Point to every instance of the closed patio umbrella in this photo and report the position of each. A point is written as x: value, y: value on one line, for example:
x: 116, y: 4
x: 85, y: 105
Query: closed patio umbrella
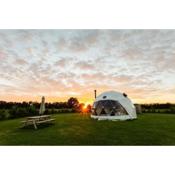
x: 42, y: 106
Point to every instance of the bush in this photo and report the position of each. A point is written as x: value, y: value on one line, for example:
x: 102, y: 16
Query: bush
x: 32, y: 110
x: 57, y: 111
x: 172, y: 109
x: 17, y: 112
x: 4, y: 114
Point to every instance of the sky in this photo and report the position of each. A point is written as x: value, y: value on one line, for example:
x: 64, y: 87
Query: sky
x: 60, y: 64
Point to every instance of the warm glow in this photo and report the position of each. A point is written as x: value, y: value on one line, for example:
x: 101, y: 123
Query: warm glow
x: 84, y: 107
x: 167, y: 98
x: 86, y: 104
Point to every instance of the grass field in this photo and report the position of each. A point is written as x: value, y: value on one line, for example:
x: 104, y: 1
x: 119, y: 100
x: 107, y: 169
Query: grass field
x: 75, y: 129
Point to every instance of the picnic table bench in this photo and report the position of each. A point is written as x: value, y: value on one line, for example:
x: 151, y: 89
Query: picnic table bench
x: 36, y: 120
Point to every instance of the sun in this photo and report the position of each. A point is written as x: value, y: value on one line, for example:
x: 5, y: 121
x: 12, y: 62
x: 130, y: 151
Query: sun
x: 85, y: 106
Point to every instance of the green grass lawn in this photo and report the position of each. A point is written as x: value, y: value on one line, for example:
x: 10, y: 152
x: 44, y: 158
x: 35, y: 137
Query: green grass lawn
x: 75, y: 129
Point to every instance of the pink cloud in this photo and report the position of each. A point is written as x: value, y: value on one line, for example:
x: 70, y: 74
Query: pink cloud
x: 3, y: 55
x: 20, y: 61
x: 85, y: 66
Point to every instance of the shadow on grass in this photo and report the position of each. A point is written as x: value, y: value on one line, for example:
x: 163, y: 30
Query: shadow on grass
x: 31, y: 127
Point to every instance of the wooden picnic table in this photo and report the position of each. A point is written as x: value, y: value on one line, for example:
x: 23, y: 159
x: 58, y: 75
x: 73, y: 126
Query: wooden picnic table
x: 36, y: 120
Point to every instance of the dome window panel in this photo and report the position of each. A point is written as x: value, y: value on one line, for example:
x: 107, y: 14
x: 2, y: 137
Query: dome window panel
x: 108, y: 107
x: 103, y: 112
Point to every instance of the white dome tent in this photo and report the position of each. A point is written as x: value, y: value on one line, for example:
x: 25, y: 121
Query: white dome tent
x: 113, y: 105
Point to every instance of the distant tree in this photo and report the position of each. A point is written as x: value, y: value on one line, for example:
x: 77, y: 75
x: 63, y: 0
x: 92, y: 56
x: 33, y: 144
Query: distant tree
x: 73, y: 102
x: 80, y: 107
x: 89, y: 108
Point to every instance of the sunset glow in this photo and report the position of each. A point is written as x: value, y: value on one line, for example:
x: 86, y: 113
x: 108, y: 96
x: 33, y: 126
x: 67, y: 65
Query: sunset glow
x: 59, y: 64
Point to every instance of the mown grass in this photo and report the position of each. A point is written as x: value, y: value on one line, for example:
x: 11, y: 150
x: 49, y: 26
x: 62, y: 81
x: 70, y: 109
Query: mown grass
x: 75, y: 129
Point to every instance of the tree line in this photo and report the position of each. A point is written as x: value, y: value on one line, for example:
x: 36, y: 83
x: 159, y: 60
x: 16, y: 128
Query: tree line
x: 158, y: 108
x: 9, y: 110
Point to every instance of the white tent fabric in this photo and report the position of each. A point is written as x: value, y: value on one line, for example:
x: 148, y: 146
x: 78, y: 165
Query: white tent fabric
x: 119, y: 98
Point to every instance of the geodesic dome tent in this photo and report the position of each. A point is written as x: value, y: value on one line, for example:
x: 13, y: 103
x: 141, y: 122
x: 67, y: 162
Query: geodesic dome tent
x: 113, y: 105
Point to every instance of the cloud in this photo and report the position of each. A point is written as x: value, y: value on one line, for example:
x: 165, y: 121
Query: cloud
x: 84, y: 65
x: 2, y: 55
x: 77, y: 43
x: 61, y: 44
x: 60, y: 63
x: 20, y: 61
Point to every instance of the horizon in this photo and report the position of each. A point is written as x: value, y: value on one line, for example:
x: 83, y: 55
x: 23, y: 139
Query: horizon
x: 86, y: 103
x: 59, y: 64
